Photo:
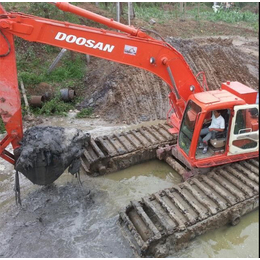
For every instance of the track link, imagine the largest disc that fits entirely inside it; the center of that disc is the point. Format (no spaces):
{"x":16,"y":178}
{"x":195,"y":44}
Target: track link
{"x":115,"y":152}
{"x":165,"y":221}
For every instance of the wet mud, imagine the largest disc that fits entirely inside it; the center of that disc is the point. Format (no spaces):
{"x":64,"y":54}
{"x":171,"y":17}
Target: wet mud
{"x":46,"y":152}
{"x":67,"y":219}
{"x":58,"y":221}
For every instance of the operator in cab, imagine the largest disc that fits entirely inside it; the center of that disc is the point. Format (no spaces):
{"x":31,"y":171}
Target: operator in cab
{"x":217,"y":125}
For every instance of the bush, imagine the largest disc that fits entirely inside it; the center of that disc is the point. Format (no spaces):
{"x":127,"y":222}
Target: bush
{"x":55,"y":107}
{"x":84,"y":113}
{"x":29,"y":78}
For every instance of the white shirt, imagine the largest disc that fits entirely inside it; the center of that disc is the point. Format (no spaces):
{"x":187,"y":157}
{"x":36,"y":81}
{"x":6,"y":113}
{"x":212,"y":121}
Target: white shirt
{"x":217,"y":122}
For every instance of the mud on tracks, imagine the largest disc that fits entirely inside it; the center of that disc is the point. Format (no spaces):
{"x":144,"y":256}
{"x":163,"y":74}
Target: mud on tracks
{"x":120,"y":93}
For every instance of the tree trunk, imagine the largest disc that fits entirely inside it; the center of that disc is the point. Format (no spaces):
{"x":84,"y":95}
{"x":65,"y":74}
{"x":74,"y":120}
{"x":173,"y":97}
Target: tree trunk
{"x":121,"y":8}
{"x":131,"y":13}
{"x":181,"y":7}
{"x":118,"y":11}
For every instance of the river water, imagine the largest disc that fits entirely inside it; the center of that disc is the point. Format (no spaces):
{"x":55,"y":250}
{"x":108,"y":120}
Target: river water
{"x":69,"y":219}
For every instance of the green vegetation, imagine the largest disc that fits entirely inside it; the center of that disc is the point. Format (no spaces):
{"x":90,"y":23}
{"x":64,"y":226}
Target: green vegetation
{"x":69,"y":70}
{"x":230,"y":16}
{"x":55,"y":107}
{"x":2,"y":126}
{"x":148,"y":11}
{"x":163,"y":12}
{"x":42,"y":9}
{"x":84,"y":113}
{"x":33,"y":61}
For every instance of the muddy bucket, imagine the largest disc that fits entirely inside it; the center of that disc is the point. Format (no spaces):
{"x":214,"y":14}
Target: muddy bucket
{"x":67,"y":94}
{"x":36,"y":101}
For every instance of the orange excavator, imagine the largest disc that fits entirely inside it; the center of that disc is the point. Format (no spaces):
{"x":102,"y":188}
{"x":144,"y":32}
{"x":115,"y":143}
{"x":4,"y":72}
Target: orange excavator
{"x":191,"y":102}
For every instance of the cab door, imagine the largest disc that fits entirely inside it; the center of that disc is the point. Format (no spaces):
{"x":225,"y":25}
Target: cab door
{"x":244,"y":132}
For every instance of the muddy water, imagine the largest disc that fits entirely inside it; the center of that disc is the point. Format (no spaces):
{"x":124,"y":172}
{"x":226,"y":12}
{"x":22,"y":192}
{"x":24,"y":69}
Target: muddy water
{"x":241,"y":241}
{"x":67,"y":219}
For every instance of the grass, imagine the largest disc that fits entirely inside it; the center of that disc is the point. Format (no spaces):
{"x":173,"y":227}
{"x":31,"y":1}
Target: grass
{"x":148,"y":11}
{"x":84,"y":113}
{"x":33,"y":61}
{"x":231,"y":16}
{"x":68,"y":70}
{"x":42,"y":9}
{"x":54,"y":107}
{"x":69,"y":73}
{"x":2,"y":126}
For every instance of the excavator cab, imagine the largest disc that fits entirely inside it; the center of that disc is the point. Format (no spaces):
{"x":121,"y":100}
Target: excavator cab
{"x":238,"y":139}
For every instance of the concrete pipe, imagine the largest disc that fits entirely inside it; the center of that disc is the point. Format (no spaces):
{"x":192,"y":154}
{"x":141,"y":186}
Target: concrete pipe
{"x":36,"y":101}
{"x":67,"y":94}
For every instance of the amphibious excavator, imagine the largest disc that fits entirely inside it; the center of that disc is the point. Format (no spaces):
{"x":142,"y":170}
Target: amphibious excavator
{"x":228,"y":190}
{"x":191,"y":102}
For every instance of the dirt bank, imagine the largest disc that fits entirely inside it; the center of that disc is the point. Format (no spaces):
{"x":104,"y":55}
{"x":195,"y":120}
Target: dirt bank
{"x":120,"y":93}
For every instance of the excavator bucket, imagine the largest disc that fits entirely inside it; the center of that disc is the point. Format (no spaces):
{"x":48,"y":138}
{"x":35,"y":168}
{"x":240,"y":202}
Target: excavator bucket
{"x":46,"y":152}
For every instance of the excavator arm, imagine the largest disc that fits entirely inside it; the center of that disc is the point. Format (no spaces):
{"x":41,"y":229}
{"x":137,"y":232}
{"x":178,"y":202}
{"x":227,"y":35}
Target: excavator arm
{"x":131,"y":47}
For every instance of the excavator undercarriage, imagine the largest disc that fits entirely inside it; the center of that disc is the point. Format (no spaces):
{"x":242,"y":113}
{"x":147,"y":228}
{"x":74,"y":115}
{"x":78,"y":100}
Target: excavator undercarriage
{"x":115,"y":152}
{"x":164,"y":222}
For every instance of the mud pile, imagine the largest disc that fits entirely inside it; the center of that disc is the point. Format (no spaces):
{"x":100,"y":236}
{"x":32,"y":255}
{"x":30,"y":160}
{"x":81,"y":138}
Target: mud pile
{"x":46,"y":152}
{"x":121,"y":93}
{"x":220,"y":59}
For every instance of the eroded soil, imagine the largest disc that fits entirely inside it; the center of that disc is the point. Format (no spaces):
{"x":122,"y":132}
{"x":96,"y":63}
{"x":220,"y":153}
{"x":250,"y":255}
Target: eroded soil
{"x":120,"y":93}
